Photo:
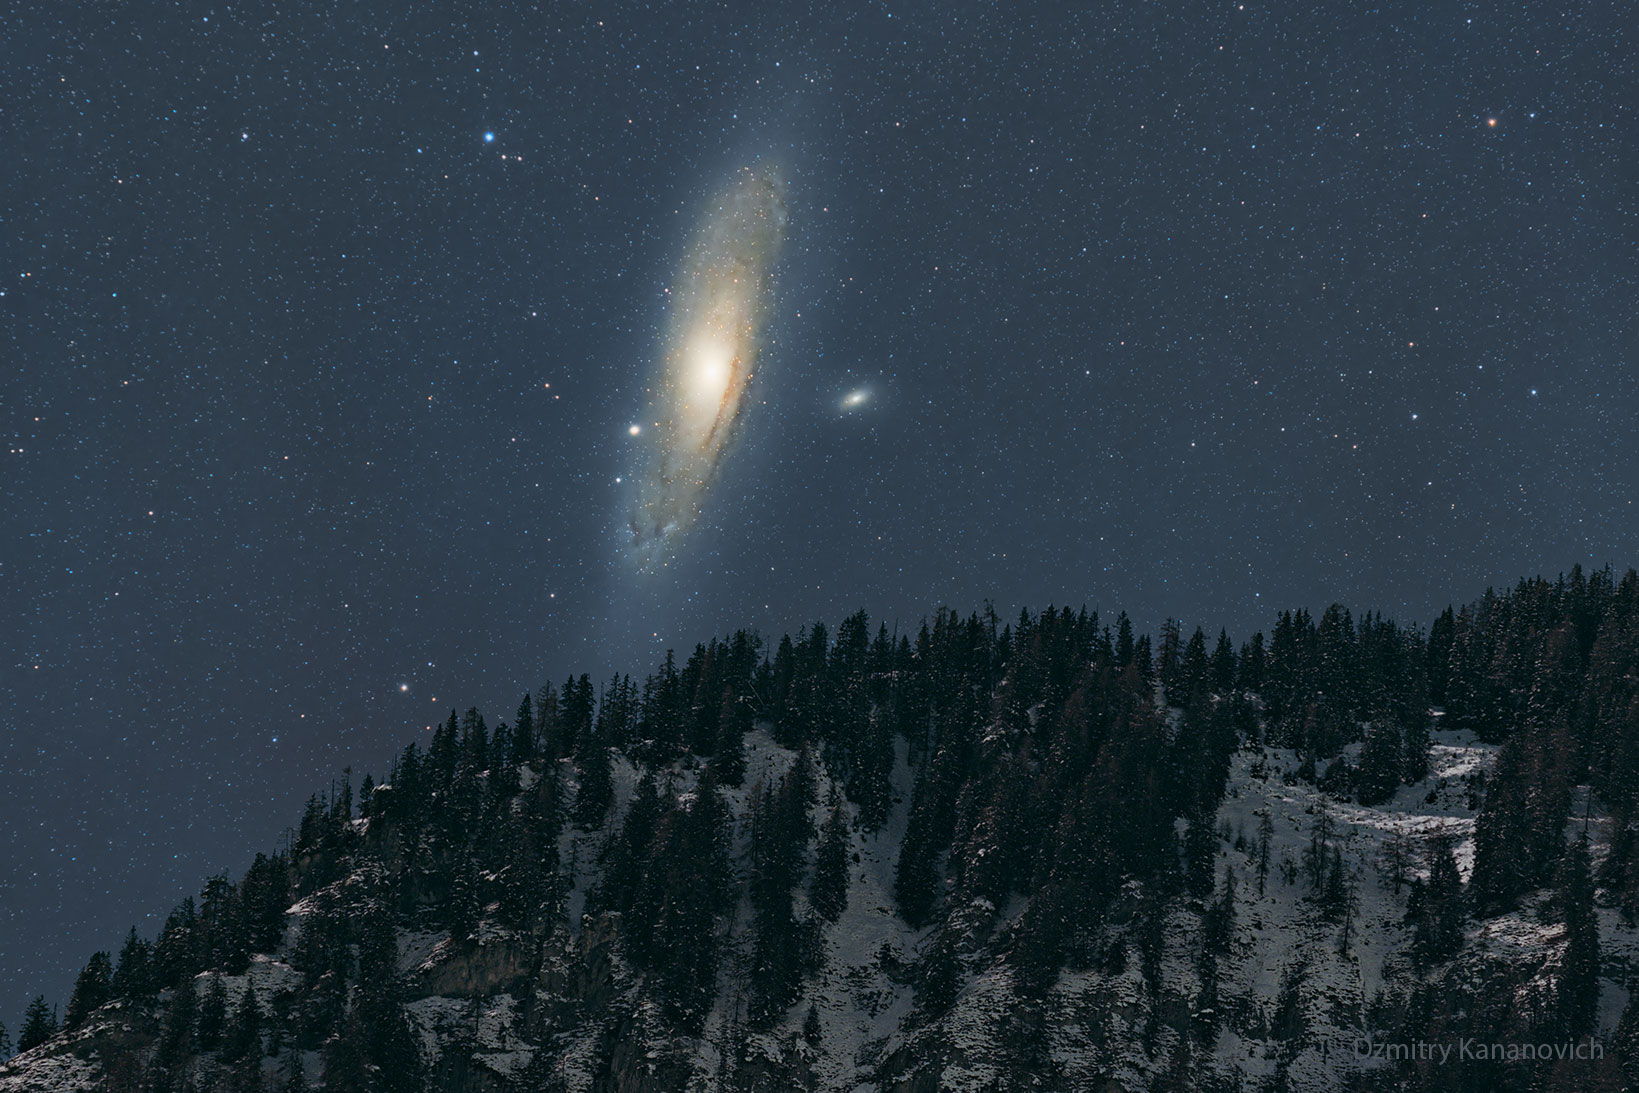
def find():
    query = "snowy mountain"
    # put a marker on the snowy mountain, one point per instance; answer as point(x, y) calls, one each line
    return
point(602, 913)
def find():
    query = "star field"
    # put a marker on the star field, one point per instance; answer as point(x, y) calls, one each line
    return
point(327, 331)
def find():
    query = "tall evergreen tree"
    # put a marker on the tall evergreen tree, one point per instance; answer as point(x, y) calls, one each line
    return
point(597, 785)
point(91, 990)
point(1223, 664)
point(385, 1040)
point(1626, 1045)
point(1335, 890)
point(626, 857)
point(1579, 977)
point(176, 953)
point(1382, 759)
point(244, 1034)
point(296, 1074)
point(133, 976)
point(1266, 832)
point(524, 740)
point(1317, 854)
point(1201, 855)
point(213, 1015)
point(39, 1025)
point(729, 757)
point(465, 904)
point(829, 891)
point(1218, 929)
point(1435, 910)
point(176, 1040)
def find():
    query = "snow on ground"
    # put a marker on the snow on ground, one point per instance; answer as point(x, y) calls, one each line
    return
point(1282, 928)
point(489, 1027)
point(268, 974)
point(498, 1044)
point(416, 948)
point(49, 1068)
point(438, 1022)
point(580, 852)
point(861, 1009)
point(1100, 1021)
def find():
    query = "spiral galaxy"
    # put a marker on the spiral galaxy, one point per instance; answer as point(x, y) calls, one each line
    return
point(697, 400)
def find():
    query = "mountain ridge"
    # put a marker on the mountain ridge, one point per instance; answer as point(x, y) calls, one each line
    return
point(1052, 859)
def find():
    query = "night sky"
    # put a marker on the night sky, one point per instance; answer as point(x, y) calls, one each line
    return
point(324, 329)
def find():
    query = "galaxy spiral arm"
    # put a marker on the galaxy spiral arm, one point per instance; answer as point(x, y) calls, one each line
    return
point(697, 398)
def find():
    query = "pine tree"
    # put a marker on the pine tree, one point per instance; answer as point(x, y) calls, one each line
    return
point(828, 892)
point(523, 732)
point(176, 1039)
point(465, 907)
point(1414, 748)
point(296, 1074)
point(689, 882)
point(1250, 665)
point(627, 854)
point(367, 796)
point(1350, 908)
point(1123, 640)
point(1334, 894)
point(1200, 853)
point(385, 1038)
point(91, 990)
point(345, 1068)
point(780, 943)
point(1171, 654)
point(811, 1032)
point(39, 1025)
point(1219, 928)
point(574, 720)
point(213, 1014)
point(1194, 673)
point(1266, 831)
point(1288, 1023)
point(1395, 860)
point(597, 783)
point(244, 1036)
point(871, 784)
point(1381, 762)
point(1626, 1045)
point(133, 975)
point(729, 759)
point(5, 1043)
point(524, 885)
point(1435, 910)
point(1579, 979)
point(1223, 664)
point(1501, 833)
point(176, 953)
point(1315, 855)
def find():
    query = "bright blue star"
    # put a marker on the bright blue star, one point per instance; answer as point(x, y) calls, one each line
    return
point(489, 137)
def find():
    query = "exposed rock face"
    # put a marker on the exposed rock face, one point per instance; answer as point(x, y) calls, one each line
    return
point(477, 968)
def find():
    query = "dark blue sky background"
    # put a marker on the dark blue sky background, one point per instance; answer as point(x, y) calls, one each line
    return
point(311, 393)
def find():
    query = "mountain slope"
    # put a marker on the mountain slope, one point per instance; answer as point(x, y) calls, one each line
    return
point(1001, 858)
